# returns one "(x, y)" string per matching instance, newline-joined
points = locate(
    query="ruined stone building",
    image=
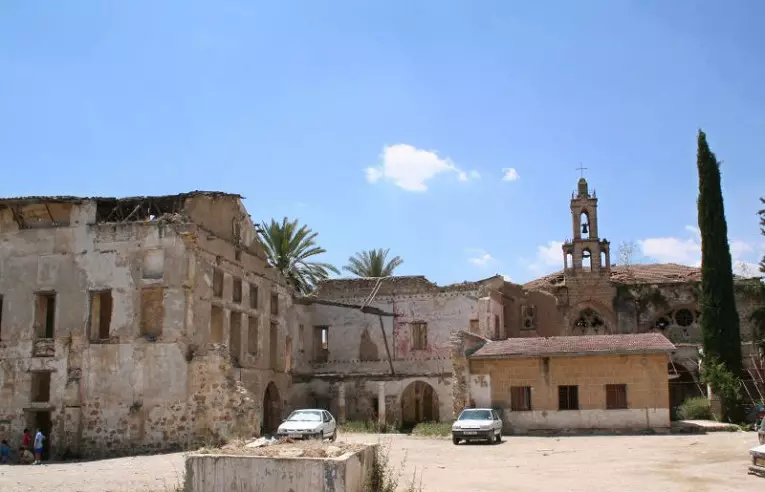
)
(138, 324)
(390, 361)
(589, 296)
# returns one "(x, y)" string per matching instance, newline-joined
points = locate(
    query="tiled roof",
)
(588, 344)
(640, 273)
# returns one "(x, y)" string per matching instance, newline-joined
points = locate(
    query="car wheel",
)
(333, 437)
(455, 440)
(499, 437)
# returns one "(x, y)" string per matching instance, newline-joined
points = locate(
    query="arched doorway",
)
(419, 403)
(272, 410)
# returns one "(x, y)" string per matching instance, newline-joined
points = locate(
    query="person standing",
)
(39, 438)
(5, 452)
(26, 440)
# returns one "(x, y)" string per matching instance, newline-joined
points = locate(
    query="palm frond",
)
(287, 246)
(372, 263)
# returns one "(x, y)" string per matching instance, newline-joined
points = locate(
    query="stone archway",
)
(272, 410)
(591, 317)
(419, 403)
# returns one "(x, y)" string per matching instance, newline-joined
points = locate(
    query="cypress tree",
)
(762, 230)
(719, 319)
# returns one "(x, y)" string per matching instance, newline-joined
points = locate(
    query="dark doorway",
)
(682, 385)
(419, 403)
(41, 420)
(272, 410)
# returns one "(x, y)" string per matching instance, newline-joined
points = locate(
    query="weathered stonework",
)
(107, 340)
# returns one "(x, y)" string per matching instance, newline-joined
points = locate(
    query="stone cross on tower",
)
(581, 169)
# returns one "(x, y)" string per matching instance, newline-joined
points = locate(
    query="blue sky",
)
(392, 123)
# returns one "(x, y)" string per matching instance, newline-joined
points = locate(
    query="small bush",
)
(696, 408)
(368, 427)
(357, 426)
(433, 429)
(384, 477)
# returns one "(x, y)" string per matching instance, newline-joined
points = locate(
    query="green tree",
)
(758, 315)
(719, 318)
(372, 263)
(762, 231)
(289, 248)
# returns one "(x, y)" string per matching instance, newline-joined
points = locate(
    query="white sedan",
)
(477, 424)
(309, 424)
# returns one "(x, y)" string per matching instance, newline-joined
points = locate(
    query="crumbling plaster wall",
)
(255, 370)
(129, 393)
(218, 214)
(491, 316)
(90, 381)
(547, 317)
(301, 319)
(463, 344)
(353, 336)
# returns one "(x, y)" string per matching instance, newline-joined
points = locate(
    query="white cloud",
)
(373, 174)
(672, 250)
(510, 174)
(506, 277)
(687, 251)
(409, 167)
(740, 249)
(480, 258)
(549, 257)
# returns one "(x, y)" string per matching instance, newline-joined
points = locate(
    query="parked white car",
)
(309, 424)
(477, 424)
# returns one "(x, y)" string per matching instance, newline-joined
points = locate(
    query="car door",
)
(324, 423)
(332, 424)
(497, 422)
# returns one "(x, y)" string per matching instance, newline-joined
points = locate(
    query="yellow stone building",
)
(577, 382)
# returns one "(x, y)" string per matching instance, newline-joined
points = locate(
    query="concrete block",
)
(242, 473)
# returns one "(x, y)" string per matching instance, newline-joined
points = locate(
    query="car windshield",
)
(305, 416)
(475, 415)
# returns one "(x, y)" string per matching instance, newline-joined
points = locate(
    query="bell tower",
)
(586, 253)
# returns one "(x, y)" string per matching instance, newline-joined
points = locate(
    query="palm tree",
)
(288, 248)
(371, 263)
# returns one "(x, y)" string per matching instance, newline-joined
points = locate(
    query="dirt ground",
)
(714, 462)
